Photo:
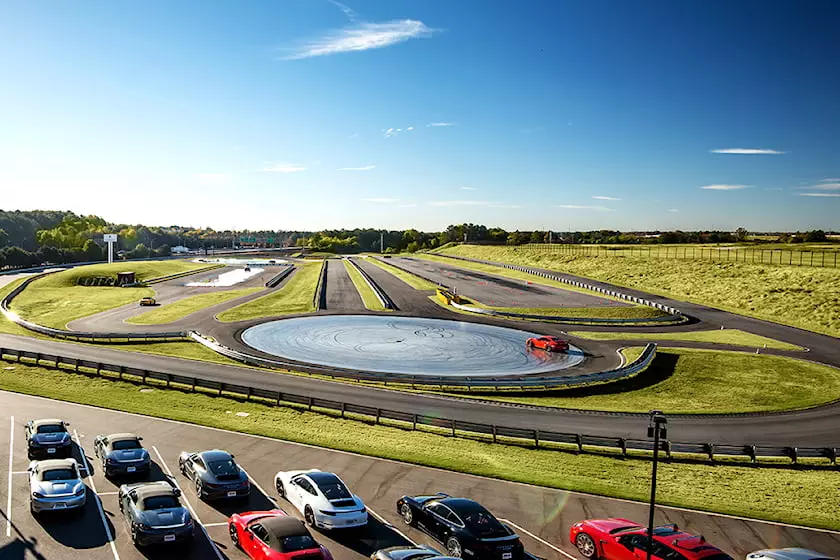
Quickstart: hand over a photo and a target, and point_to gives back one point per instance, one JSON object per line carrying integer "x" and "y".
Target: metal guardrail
{"x": 320, "y": 290}
{"x": 181, "y": 274}
{"x": 277, "y": 278}
{"x": 580, "y": 443}
{"x": 383, "y": 298}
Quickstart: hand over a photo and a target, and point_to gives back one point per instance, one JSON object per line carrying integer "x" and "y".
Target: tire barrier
{"x": 673, "y": 313}
{"x": 319, "y": 300}
{"x": 277, "y": 278}
{"x": 578, "y": 443}
{"x": 383, "y": 298}
{"x": 464, "y": 383}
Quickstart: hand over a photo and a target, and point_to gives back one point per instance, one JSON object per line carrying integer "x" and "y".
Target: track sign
{"x": 110, "y": 238}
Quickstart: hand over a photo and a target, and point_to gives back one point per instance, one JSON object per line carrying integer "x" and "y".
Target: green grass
{"x": 296, "y": 296}
{"x": 414, "y": 281}
{"x": 720, "y": 336}
{"x": 693, "y": 381}
{"x": 366, "y": 292}
{"x": 184, "y": 307}
{"x": 786, "y": 495}
{"x": 804, "y": 297}
{"x": 629, "y": 312}
{"x": 143, "y": 270}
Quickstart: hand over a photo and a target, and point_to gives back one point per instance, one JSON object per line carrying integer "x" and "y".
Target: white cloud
{"x": 467, "y": 188}
{"x": 213, "y": 178}
{"x": 381, "y": 200}
{"x": 829, "y": 179}
{"x": 365, "y": 168}
{"x": 674, "y": 210}
{"x": 584, "y": 207}
{"x": 459, "y": 203}
{"x": 821, "y": 194}
{"x": 725, "y": 187}
{"x": 349, "y": 12}
{"x": 354, "y": 135}
{"x": 747, "y": 151}
{"x": 439, "y": 124}
{"x": 363, "y": 37}
{"x": 388, "y": 132}
{"x": 504, "y": 206}
{"x": 284, "y": 168}
{"x": 599, "y": 197}
{"x": 824, "y": 187}
{"x": 409, "y": 129}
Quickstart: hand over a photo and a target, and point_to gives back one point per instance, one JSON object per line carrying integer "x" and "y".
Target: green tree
{"x": 92, "y": 251}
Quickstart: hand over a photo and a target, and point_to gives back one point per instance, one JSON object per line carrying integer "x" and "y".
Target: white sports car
{"x": 322, "y": 498}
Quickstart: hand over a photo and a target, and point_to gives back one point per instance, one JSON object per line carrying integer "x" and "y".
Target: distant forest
{"x": 32, "y": 238}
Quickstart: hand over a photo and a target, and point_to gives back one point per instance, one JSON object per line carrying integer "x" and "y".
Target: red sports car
{"x": 548, "y": 343}
{"x": 621, "y": 539}
{"x": 273, "y": 535}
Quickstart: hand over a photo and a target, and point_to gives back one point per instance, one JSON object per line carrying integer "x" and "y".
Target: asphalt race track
{"x": 341, "y": 292}
{"x": 411, "y": 345}
{"x": 541, "y": 516}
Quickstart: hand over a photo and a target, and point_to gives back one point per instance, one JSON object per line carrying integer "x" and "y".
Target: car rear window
{"x": 225, "y": 467}
{"x": 58, "y": 474}
{"x": 125, "y": 444}
{"x": 51, "y": 429}
{"x": 483, "y": 524}
{"x": 160, "y": 502}
{"x": 295, "y": 543}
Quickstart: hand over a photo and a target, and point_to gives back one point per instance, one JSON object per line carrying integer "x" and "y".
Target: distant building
{"x": 180, "y": 249}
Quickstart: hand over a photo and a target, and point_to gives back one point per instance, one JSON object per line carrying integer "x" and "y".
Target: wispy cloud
{"x": 600, "y": 197}
{"x": 284, "y": 168}
{"x": 823, "y": 187}
{"x": 439, "y": 124}
{"x": 747, "y": 151}
{"x": 363, "y": 37}
{"x": 504, "y": 206}
{"x": 388, "y": 132}
{"x": 365, "y": 168}
{"x": 674, "y": 210}
{"x": 348, "y": 11}
{"x": 459, "y": 203}
{"x": 584, "y": 207}
{"x": 829, "y": 179}
{"x": 725, "y": 187}
{"x": 467, "y": 188}
{"x": 381, "y": 200}
{"x": 820, "y": 194}
{"x": 213, "y": 178}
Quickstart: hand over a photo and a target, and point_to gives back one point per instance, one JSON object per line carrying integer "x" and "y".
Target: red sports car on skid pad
{"x": 548, "y": 343}
{"x": 273, "y": 535}
{"x": 621, "y": 539}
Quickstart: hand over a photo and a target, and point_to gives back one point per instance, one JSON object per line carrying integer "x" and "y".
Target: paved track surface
{"x": 342, "y": 294}
{"x": 498, "y": 291}
{"x": 541, "y": 516}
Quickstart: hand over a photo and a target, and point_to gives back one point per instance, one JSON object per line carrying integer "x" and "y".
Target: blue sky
{"x": 310, "y": 114}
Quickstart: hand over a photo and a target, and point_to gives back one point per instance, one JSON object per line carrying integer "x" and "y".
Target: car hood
{"x": 58, "y": 487}
{"x": 128, "y": 454}
{"x": 54, "y": 438}
{"x": 164, "y": 517}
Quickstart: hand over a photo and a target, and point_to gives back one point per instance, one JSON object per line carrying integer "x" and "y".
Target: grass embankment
{"x": 57, "y": 299}
{"x": 804, "y": 297}
{"x": 786, "y": 495}
{"x": 628, "y": 312}
{"x": 366, "y": 292}
{"x": 296, "y": 296}
{"x": 693, "y": 381}
{"x": 187, "y": 306}
{"x": 720, "y": 336}
{"x": 414, "y": 281}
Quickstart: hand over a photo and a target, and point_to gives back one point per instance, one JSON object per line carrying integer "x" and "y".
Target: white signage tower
{"x": 110, "y": 239}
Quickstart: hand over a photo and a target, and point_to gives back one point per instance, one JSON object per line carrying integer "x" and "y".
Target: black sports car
{"x": 215, "y": 474}
{"x": 463, "y": 526}
{"x": 122, "y": 454}
{"x": 48, "y": 438}
{"x": 408, "y": 553}
{"x": 155, "y": 514}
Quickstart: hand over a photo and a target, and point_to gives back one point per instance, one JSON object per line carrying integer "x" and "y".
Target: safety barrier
{"x": 579, "y": 443}
{"x": 180, "y": 274}
{"x": 383, "y": 298}
{"x": 277, "y": 278}
{"x": 320, "y": 298}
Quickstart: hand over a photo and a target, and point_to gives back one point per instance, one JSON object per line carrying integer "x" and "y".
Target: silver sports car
{"x": 787, "y": 554}
{"x": 55, "y": 484}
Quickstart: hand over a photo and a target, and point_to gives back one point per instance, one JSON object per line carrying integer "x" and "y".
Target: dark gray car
{"x": 122, "y": 454}
{"x": 409, "y": 553}
{"x": 215, "y": 474}
{"x": 48, "y": 438}
{"x": 155, "y": 514}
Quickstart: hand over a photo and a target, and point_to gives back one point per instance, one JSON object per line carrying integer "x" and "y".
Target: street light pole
{"x": 656, "y": 429}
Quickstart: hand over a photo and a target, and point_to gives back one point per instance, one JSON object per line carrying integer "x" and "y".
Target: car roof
{"x": 215, "y": 455}
{"x": 461, "y": 504}
{"x": 50, "y": 464}
{"x": 323, "y": 477}
{"x": 124, "y": 436}
{"x": 47, "y": 422}
{"x": 153, "y": 489}
{"x": 280, "y": 526}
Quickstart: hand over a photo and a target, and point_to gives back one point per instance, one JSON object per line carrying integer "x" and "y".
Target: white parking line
{"x": 390, "y": 526}
{"x": 107, "y": 493}
{"x": 96, "y": 497}
{"x": 9, "y": 497}
{"x": 543, "y": 541}
{"x": 19, "y": 472}
{"x": 219, "y": 524}
{"x": 189, "y": 505}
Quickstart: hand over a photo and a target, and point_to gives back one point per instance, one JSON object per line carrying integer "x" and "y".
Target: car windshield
{"x": 160, "y": 502}
{"x": 51, "y": 429}
{"x": 482, "y": 523}
{"x": 295, "y": 543}
{"x": 58, "y": 474}
{"x": 225, "y": 467}
{"x": 125, "y": 444}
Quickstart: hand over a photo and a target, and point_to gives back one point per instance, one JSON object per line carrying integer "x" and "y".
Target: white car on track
{"x": 322, "y": 498}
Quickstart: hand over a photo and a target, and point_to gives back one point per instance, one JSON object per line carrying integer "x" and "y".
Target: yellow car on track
{"x": 148, "y": 301}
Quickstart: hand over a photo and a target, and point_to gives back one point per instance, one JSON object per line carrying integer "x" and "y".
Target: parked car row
{"x": 155, "y": 515}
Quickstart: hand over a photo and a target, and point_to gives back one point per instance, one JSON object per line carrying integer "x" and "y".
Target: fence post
{"x": 310, "y": 403}
{"x": 710, "y": 451}
{"x": 579, "y": 441}
{"x": 168, "y": 379}
{"x": 378, "y": 414}
{"x": 494, "y": 432}
{"x": 623, "y": 444}
{"x": 414, "y": 422}
{"x": 99, "y": 369}
{"x": 343, "y": 407}
{"x": 37, "y": 358}
{"x": 537, "y": 438}
{"x": 122, "y": 368}
{"x": 248, "y": 394}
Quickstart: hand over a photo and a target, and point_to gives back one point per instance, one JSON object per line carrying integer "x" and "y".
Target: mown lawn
{"x": 184, "y": 307}
{"x": 803, "y": 297}
{"x": 414, "y": 281}
{"x": 296, "y": 296}
{"x": 368, "y": 295}
{"x": 694, "y": 381}
{"x": 718, "y": 336}
{"x": 803, "y": 497}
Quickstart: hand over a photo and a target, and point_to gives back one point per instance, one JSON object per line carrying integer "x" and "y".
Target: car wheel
{"x": 309, "y": 516}
{"x": 134, "y": 535}
{"x": 280, "y": 488}
{"x": 453, "y": 547}
{"x": 234, "y": 534}
{"x": 199, "y": 489}
{"x": 32, "y": 510}
{"x": 407, "y": 514}
{"x": 586, "y": 546}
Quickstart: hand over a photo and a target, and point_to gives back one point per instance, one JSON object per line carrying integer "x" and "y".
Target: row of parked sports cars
{"x": 464, "y": 527}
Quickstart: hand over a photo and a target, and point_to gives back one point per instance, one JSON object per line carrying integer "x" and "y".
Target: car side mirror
{"x": 140, "y": 439}
{"x": 232, "y": 456}
{"x": 66, "y": 423}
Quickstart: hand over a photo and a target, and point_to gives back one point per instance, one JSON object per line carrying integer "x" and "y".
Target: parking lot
{"x": 542, "y": 516}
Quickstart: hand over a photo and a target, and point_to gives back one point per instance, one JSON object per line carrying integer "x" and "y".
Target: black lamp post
{"x": 656, "y": 430}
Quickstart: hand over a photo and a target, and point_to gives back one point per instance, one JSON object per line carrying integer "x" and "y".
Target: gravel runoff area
{"x": 541, "y": 516}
